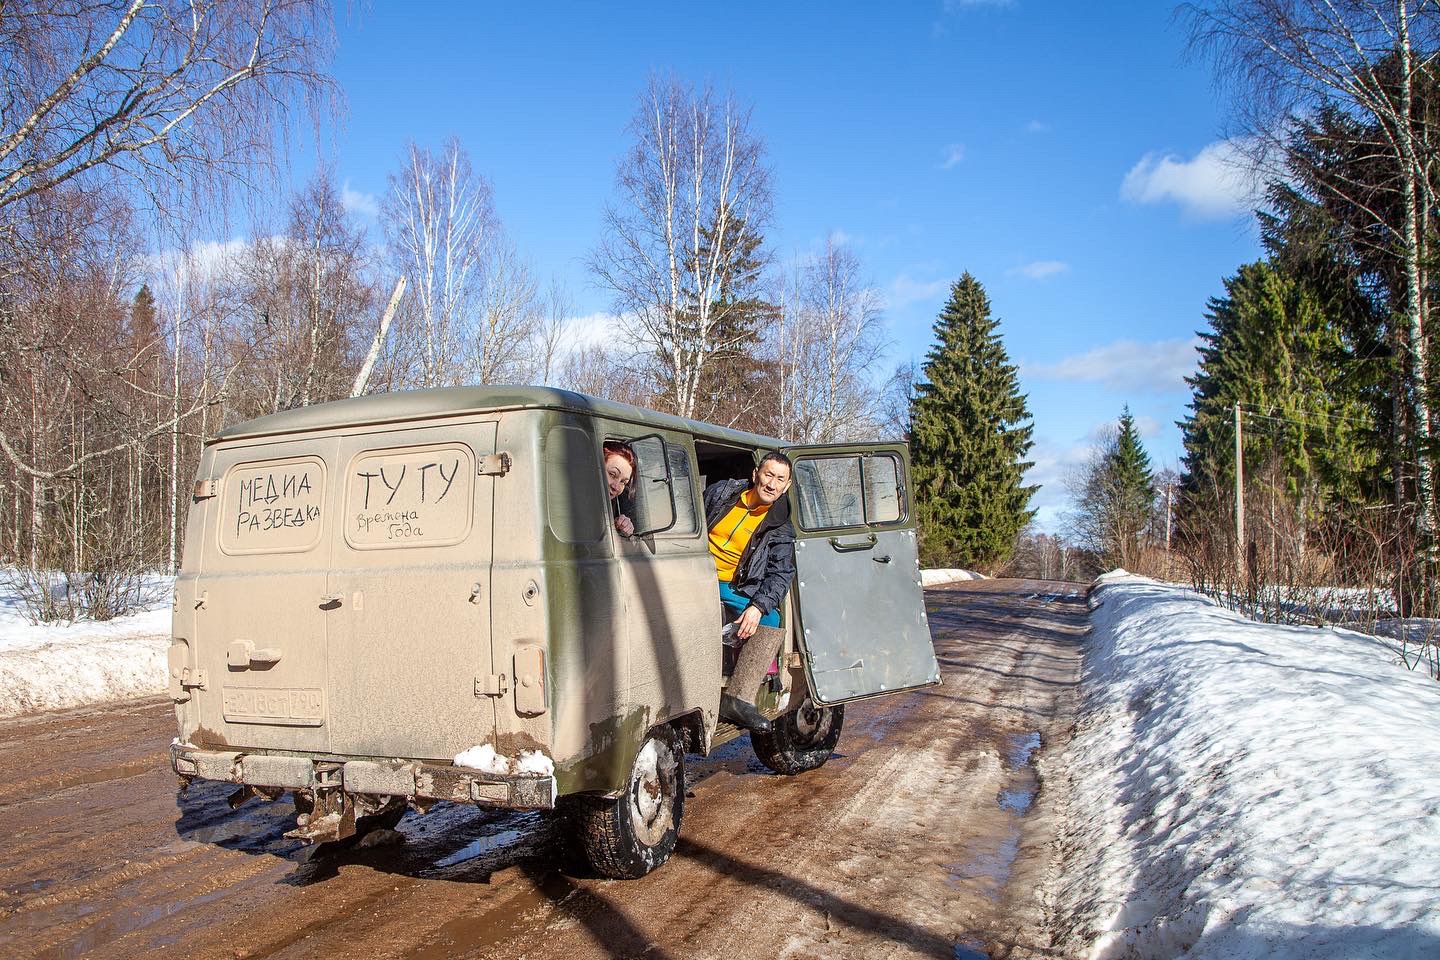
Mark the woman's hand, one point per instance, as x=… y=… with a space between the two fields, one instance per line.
x=624 y=525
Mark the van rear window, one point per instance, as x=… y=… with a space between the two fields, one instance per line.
x=272 y=506
x=410 y=497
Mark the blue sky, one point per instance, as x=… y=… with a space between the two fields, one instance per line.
x=1068 y=155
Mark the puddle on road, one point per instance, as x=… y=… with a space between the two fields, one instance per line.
x=970 y=950
x=988 y=866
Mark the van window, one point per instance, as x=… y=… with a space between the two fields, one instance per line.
x=882 y=489
x=410 y=497
x=575 y=505
x=272 y=506
x=848 y=491
x=687 y=522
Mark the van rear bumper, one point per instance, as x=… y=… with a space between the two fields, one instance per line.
x=394 y=778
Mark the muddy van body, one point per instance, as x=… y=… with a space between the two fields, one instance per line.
x=395 y=600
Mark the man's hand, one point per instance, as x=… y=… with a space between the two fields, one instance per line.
x=749 y=620
x=624 y=525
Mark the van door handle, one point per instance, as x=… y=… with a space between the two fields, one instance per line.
x=842 y=547
x=884 y=559
x=331 y=601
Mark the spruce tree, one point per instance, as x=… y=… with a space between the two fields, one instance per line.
x=1275 y=349
x=970 y=431
x=1132 y=489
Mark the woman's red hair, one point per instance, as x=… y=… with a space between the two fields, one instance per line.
x=621 y=450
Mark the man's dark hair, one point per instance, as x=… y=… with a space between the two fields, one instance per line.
x=777 y=457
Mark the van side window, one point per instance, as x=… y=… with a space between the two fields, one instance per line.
x=848 y=491
x=575 y=504
x=687 y=523
x=661 y=498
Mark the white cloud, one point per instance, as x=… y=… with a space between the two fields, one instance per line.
x=205 y=259
x=1157 y=366
x=1215 y=184
x=951 y=155
x=1037 y=126
x=591 y=330
x=905 y=290
x=1040 y=269
x=366 y=204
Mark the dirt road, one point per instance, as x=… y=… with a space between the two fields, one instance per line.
x=922 y=837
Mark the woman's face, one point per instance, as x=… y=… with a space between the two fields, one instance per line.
x=617 y=474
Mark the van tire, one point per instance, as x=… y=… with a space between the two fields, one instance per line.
x=628 y=836
x=800 y=740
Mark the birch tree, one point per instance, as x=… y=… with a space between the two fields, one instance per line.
x=471 y=301
x=828 y=343
x=1290 y=60
x=694 y=194
x=123 y=100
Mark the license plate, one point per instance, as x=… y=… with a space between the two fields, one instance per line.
x=294 y=707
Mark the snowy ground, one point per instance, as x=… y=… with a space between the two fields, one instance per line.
x=53 y=666
x=934 y=578
x=1245 y=790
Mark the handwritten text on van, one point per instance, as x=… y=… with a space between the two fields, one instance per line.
x=275 y=500
x=410 y=499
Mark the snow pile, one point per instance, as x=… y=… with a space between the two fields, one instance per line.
x=54 y=666
x=533 y=761
x=935 y=578
x=484 y=758
x=1240 y=790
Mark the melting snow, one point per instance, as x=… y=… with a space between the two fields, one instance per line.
x=533 y=761
x=482 y=757
x=934 y=578
x=1247 y=790
x=58 y=665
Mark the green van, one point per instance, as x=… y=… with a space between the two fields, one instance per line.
x=398 y=599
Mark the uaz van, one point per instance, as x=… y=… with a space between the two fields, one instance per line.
x=398 y=599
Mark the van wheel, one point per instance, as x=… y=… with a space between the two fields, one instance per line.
x=801 y=740
x=628 y=836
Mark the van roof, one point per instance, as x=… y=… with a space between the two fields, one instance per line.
x=452 y=401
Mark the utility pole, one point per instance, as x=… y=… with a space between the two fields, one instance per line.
x=1239 y=495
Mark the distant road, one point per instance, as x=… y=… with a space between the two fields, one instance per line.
x=922 y=837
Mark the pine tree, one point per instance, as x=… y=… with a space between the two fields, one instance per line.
x=970 y=431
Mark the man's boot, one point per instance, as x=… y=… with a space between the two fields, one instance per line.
x=742 y=713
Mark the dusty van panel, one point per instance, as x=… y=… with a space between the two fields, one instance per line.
x=258 y=599
x=675 y=661
x=580 y=588
x=409 y=592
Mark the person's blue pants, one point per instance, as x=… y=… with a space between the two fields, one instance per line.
x=737 y=603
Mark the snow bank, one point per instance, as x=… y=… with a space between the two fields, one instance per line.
x=935 y=578
x=54 y=666
x=1239 y=789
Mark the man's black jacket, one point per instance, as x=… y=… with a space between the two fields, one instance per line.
x=768 y=564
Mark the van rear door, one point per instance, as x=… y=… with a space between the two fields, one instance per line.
x=862 y=607
x=410 y=652
x=258 y=618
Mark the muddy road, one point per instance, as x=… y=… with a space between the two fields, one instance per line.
x=927 y=835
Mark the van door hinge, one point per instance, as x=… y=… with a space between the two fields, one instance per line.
x=192 y=679
x=495 y=465
x=492 y=685
x=205 y=489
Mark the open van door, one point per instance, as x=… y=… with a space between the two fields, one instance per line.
x=862 y=608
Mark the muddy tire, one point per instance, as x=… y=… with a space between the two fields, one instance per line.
x=629 y=836
x=800 y=740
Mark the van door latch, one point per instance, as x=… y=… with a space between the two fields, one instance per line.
x=495 y=465
x=492 y=685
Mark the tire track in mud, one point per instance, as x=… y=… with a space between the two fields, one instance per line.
x=900 y=846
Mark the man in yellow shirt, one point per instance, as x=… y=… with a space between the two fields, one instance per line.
x=753 y=544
